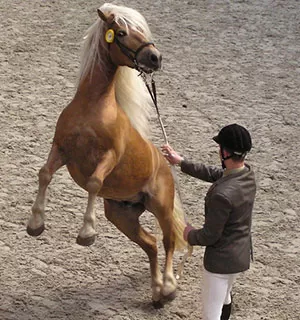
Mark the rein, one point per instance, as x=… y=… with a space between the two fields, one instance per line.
x=152 y=92
x=132 y=55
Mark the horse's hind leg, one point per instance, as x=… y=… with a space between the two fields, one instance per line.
x=35 y=224
x=162 y=207
x=170 y=283
x=126 y=219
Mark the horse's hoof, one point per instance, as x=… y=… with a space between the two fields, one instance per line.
x=85 y=241
x=157 y=304
x=171 y=296
x=35 y=232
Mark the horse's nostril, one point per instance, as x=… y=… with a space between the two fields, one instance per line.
x=154 y=58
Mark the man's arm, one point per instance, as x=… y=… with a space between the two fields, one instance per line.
x=201 y=171
x=216 y=215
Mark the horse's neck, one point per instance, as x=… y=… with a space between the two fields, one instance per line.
x=97 y=85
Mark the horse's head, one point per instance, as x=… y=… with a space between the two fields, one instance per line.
x=128 y=41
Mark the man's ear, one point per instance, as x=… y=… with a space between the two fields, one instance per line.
x=108 y=19
x=225 y=152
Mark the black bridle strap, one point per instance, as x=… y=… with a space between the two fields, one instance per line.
x=141 y=47
x=152 y=92
x=131 y=54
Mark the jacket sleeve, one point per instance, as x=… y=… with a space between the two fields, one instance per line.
x=201 y=171
x=216 y=215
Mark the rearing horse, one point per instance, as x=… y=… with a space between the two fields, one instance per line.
x=100 y=136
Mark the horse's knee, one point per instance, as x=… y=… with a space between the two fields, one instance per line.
x=94 y=185
x=44 y=176
x=169 y=242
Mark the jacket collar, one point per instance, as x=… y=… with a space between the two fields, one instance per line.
x=232 y=171
x=237 y=173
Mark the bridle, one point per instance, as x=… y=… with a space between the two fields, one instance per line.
x=128 y=52
x=132 y=54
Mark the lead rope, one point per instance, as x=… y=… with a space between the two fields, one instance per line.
x=152 y=92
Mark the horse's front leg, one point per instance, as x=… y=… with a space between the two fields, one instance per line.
x=87 y=233
x=35 y=225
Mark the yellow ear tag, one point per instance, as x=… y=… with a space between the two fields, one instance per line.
x=110 y=36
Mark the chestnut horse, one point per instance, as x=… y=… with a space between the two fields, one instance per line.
x=101 y=138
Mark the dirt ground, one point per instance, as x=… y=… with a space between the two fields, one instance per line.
x=223 y=62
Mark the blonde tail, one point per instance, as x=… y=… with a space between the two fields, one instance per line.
x=180 y=243
x=179 y=224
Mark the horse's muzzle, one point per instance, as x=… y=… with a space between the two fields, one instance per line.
x=149 y=59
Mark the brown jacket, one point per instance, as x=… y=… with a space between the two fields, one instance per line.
x=226 y=232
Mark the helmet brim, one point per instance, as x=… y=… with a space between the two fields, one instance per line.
x=216 y=139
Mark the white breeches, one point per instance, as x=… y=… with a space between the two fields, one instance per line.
x=216 y=290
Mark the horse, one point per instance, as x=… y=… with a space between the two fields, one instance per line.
x=101 y=137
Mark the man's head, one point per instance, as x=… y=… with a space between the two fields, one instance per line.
x=234 y=141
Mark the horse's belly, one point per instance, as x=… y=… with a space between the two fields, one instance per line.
x=118 y=185
x=124 y=186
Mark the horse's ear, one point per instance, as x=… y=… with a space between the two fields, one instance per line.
x=110 y=19
x=101 y=15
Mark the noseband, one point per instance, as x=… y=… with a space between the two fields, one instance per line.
x=132 y=54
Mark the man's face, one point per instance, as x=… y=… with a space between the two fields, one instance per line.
x=220 y=153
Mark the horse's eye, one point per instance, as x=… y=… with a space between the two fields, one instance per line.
x=121 y=33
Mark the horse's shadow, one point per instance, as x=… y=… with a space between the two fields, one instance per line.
x=125 y=296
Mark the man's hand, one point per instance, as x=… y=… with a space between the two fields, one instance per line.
x=172 y=156
x=186 y=231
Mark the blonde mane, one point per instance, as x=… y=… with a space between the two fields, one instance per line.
x=131 y=92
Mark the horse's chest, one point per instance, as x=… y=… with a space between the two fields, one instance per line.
x=83 y=146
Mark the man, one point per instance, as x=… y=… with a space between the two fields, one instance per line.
x=226 y=232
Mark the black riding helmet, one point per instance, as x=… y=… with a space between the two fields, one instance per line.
x=235 y=139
